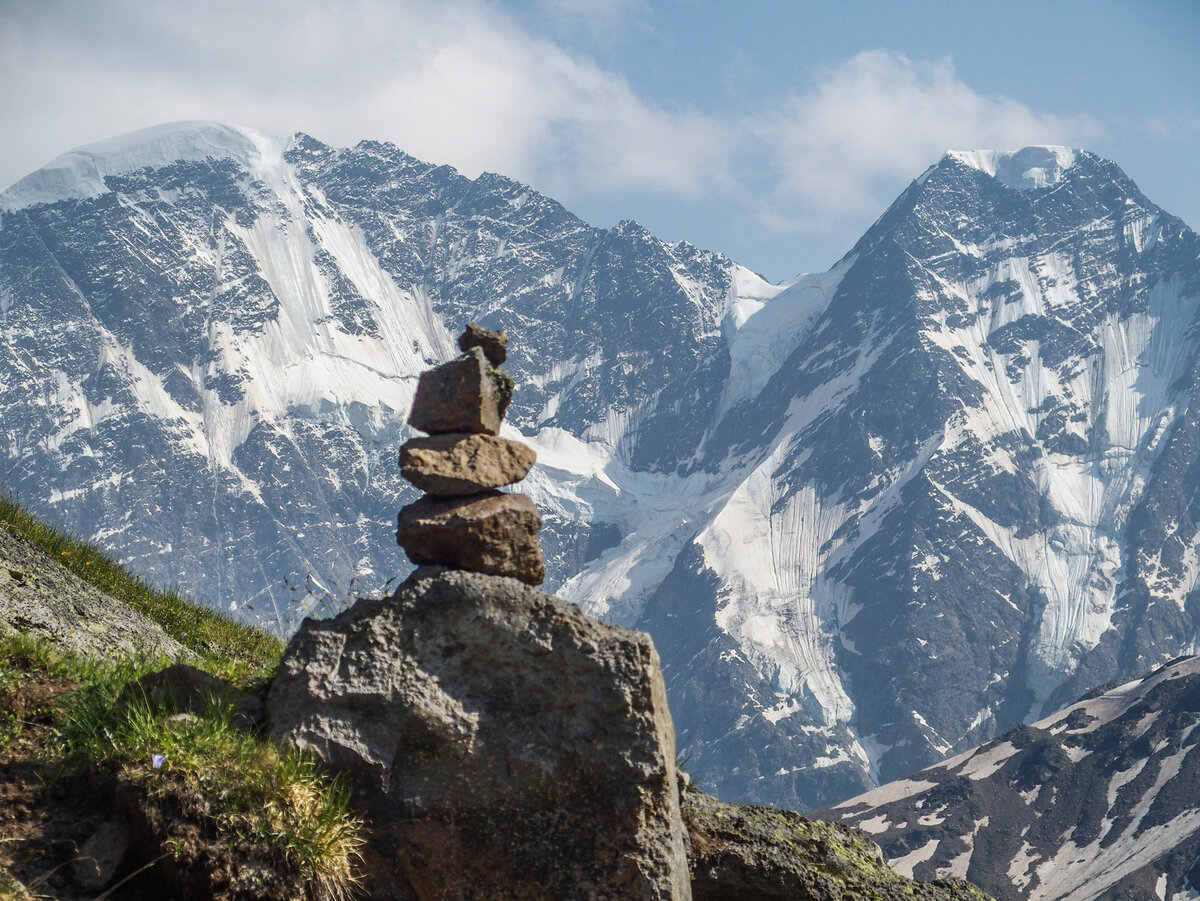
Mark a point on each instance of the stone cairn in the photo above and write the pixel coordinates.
(462, 521)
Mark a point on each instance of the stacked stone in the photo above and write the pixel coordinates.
(463, 521)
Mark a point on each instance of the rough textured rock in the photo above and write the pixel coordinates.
(493, 533)
(494, 344)
(453, 464)
(508, 745)
(748, 853)
(39, 596)
(467, 394)
(98, 860)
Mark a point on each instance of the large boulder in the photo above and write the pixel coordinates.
(505, 744)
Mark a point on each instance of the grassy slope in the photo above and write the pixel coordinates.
(268, 809)
(232, 648)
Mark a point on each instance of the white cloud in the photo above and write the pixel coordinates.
(468, 83)
(452, 82)
(880, 118)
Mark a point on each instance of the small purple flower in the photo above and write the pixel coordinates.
(156, 760)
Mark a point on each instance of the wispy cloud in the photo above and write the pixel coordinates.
(879, 117)
(468, 83)
(457, 82)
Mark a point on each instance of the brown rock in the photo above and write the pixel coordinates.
(493, 344)
(492, 533)
(465, 395)
(458, 464)
(507, 745)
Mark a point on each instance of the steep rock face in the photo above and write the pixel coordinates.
(962, 496)
(505, 744)
(1096, 801)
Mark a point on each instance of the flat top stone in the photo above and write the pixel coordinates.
(459, 464)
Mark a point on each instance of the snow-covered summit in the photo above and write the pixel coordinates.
(80, 173)
(1038, 166)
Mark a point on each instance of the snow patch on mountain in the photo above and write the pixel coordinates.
(1024, 169)
(764, 549)
(79, 174)
(767, 323)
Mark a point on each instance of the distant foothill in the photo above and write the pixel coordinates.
(463, 521)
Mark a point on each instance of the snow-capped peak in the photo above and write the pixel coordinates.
(1030, 167)
(80, 173)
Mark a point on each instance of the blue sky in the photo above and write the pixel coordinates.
(773, 132)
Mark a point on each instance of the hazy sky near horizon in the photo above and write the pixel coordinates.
(773, 132)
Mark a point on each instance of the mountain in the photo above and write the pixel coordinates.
(212, 340)
(872, 517)
(965, 496)
(1096, 801)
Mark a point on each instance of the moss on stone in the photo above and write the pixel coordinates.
(750, 853)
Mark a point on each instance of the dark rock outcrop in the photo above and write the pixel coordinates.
(505, 744)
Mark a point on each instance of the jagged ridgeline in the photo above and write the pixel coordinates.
(872, 517)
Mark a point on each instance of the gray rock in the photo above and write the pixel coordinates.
(508, 745)
(467, 394)
(493, 344)
(41, 597)
(493, 533)
(101, 855)
(456, 464)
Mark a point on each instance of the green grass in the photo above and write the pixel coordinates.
(271, 806)
(274, 803)
(228, 647)
(261, 803)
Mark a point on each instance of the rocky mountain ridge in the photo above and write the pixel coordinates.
(1095, 801)
(871, 517)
